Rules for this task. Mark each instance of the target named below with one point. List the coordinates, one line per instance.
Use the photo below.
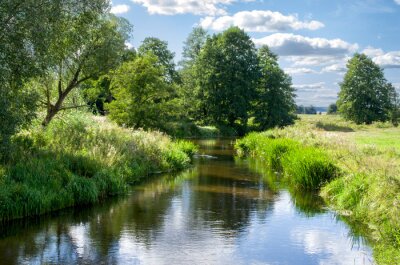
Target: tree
(142, 95)
(365, 95)
(90, 43)
(227, 74)
(274, 104)
(165, 57)
(193, 45)
(187, 91)
(21, 55)
(332, 109)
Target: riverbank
(355, 167)
(79, 160)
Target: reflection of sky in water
(231, 220)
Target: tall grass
(304, 168)
(80, 160)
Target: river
(223, 210)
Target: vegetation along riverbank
(355, 167)
(81, 159)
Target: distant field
(380, 135)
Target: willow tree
(89, 43)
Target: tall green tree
(187, 91)
(165, 57)
(365, 95)
(332, 109)
(274, 104)
(227, 74)
(142, 95)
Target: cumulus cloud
(259, 21)
(299, 71)
(287, 44)
(173, 7)
(385, 60)
(119, 9)
(339, 68)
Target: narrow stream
(221, 211)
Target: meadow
(356, 169)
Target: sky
(313, 38)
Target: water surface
(221, 211)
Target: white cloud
(128, 45)
(338, 67)
(397, 2)
(119, 9)
(259, 21)
(172, 7)
(299, 71)
(385, 60)
(310, 87)
(287, 44)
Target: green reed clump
(80, 160)
(308, 168)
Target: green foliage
(227, 73)
(274, 103)
(365, 95)
(80, 161)
(143, 98)
(165, 57)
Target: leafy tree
(365, 95)
(306, 110)
(165, 57)
(187, 91)
(142, 95)
(274, 103)
(193, 45)
(27, 28)
(227, 74)
(332, 109)
(90, 43)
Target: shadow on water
(221, 211)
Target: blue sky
(313, 38)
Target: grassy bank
(355, 167)
(80, 160)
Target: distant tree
(227, 74)
(365, 95)
(332, 109)
(306, 110)
(142, 95)
(165, 57)
(274, 104)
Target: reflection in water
(221, 211)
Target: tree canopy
(365, 95)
